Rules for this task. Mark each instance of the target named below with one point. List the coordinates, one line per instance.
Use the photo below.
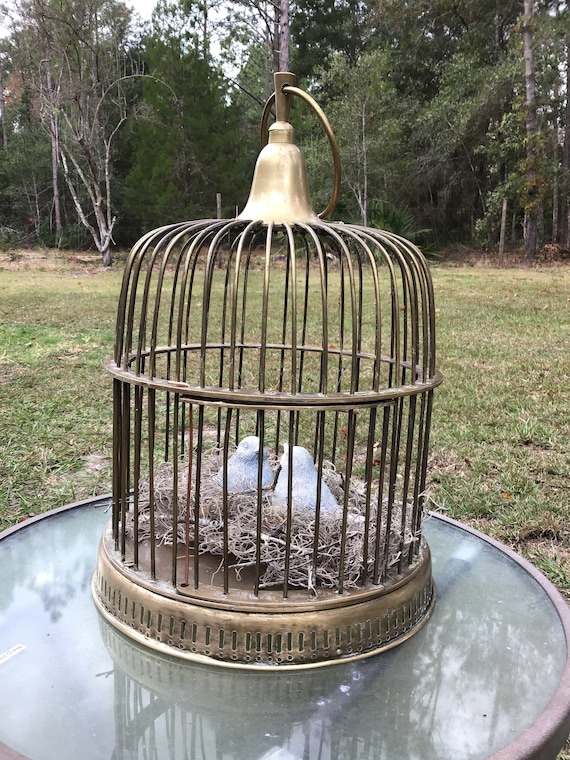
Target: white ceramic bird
(243, 466)
(304, 483)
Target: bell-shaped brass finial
(280, 189)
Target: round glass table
(487, 677)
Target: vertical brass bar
(125, 463)
(137, 470)
(403, 319)
(197, 494)
(243, 335)
(357, 317)
(395, 338)
(154, 341)
(417, 266)
(293, 265)
(282, 352)
(264, 313)
(289, 506)
(394, 451)
(341, 302)
(354, 353)
(385, 258)
(144, 316)
(414, 318)
(361, 242)
(378, 314)
(121, 324)
(185, 279)
(225, 500)
(175, 471)
(350, 436)
(151, 451)
(406, 479)
(380, 507)
(167, 426)
(182, 442)
(319, 448)
(424, 456)
(188, 497)
(259, 506)
(306, 292)
(430, 320)
(368, 470)
(420, 460)
(185, 302)
(124, 346)
(324, 364)
(232, 298)
(117, 467)
(223, 338)
(220, 230)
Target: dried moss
(304, 570)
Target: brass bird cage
(273, 381)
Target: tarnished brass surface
(316, 340)
(266, 204)
(280, 190)
(245, 632)
(241, 397)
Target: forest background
(452, 116)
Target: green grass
(500, 445)
(56, 330)
(501, 431)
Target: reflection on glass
(457, 689)
(482, 669)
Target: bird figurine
(243, 467)
(304, 483)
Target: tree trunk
(503, 230)
(555, 213)
(565, 236)
(532, 194)
(285, 37)
(276, 37)
(106, 257)
(51, 100)
(3, 113)
(54, 181)
(364, 167)
(282, 36)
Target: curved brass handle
(289, 89)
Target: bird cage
(273, 380)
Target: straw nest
(303, 572)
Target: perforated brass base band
(365, 622)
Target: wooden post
(218, 205)
(503, 230)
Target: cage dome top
(372, 276)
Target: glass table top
(468, 683)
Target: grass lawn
(500, 446)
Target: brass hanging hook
(283, 108)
